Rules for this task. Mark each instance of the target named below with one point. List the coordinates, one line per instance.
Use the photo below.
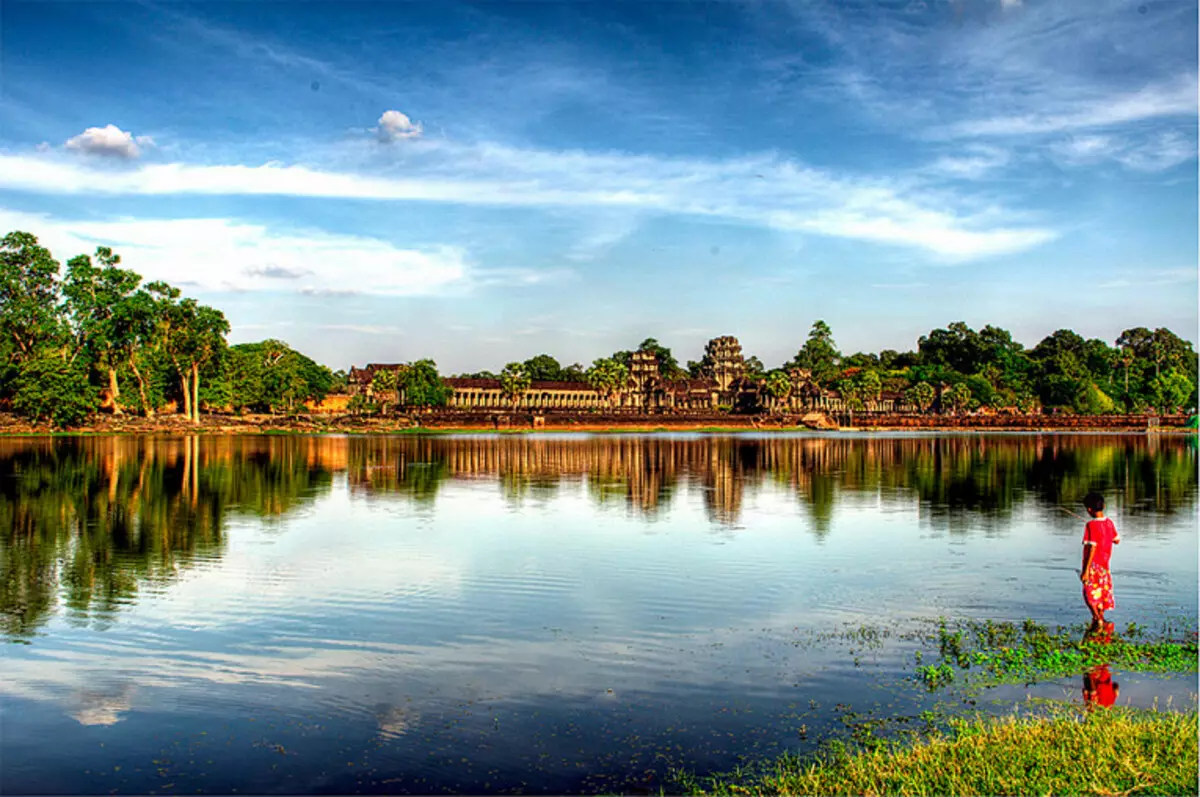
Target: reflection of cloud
(103, 707)
(396, 721)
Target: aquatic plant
(1007, 653)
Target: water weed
(989, 653)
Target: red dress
(1097, 582)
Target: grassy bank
(1107, 751)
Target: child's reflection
(1099, 689)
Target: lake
(530, 613)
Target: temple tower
(724, 363)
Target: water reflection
(1099, 689)
(91, 521)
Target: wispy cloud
(365, 329)
(1152, 277)
(764, 190)
(1176, 99)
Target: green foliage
(958, 397)
(423, 386)
(1004, 652)
(608, 377)
(543, 367)
(51, 389)
(778, 385)
(1170, 390)
(514, 381)
(921, 395)
(1091, 400)
(29, 290)
(819, 355)
(668, 366)
(270, 376)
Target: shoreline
(433, 424)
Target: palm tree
(514, 381)
(608, 377)
(778, 387)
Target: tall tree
(819, 354)
(29, 293)
(96, 298)
(193, 336)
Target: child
(1099, 536)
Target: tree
(514, 381)
(921, 395)
(959, 397)
(778, 385)
(96, 298)
(668, 366)
(574, 373)
(608, 377)
(193, 336)
(958, 347)
(819, 354)
(49, 389)
(543, 367)
(1091, 400)
(29, 292)
(1170, 390)
(383, 387)
(754, 368)
(423, 386)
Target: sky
(483, 182)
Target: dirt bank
(456, 421)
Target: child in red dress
(1099, 536)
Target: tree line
(67, 335)
(952, 369)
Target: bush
(49, 389)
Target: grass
(1107, 752)
(989, 653)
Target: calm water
(481, 613)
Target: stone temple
(723, 385)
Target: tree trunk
(115, 391)
(187, 395)
(196, 393)
(146, 408)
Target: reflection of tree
(92, 520)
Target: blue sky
(484, 182)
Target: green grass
(1107, 752)
(989, 653)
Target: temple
(723, 386)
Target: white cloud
(1176, 99)
(394, 126)
(760, 191)
(110, 141)
(226, 255)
